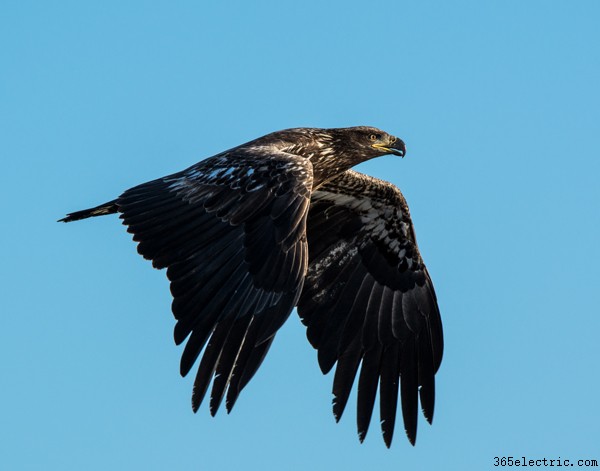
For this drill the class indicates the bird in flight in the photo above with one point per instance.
(282, 222)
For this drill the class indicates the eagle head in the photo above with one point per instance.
(370, 142)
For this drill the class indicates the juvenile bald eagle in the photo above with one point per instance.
(279, 222)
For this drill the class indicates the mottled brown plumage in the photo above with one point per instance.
(280, 222)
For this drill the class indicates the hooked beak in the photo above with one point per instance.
(396, 147)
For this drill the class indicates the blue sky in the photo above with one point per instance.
(498, 103)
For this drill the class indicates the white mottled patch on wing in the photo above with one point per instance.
(337, 256)
(179, 184)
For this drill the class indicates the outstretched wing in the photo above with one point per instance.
(368, 300)
(231, 233)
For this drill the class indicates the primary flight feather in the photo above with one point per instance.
(279, 222)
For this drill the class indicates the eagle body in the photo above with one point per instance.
(282, 222)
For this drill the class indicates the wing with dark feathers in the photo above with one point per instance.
(231, 233)
(368, 302)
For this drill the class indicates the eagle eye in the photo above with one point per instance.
(375, 137)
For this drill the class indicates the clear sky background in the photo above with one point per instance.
(499, 105)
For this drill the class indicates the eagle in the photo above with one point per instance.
(281, 222)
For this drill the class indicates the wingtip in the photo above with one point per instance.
(429, 418)
(195, 403)
(338, 409)
(387, 434)
(229, 403)
(412, 437)
(196, 400)
(186, 362)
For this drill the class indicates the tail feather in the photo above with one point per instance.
(106, 208)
